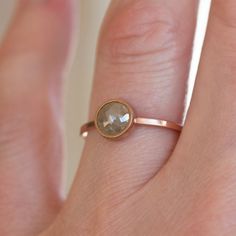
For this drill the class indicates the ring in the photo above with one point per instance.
(116, 117)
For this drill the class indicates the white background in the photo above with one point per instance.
(80, 79)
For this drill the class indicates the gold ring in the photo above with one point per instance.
(116, 117)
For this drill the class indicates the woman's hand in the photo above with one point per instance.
(147, 183)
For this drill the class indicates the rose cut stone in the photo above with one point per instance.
(113, 119)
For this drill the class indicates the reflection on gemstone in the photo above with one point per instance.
(113, 119)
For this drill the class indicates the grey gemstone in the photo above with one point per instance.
(113, 119)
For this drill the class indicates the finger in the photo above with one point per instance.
(210, 129)
(206, 150)
(32, 64)
(203, 164)
(143, 58)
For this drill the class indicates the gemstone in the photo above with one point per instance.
(114, 119)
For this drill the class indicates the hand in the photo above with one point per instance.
(152, 182)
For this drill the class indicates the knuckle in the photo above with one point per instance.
(28, 107)
(23, 76)
(137, 31)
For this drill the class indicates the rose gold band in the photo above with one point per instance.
(158, 123)
(139, 121)
(85, 128)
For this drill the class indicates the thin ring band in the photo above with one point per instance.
(85, 128)
(115, 118)
(139, 121)
(158, 123)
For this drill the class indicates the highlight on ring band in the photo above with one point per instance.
(116, 117)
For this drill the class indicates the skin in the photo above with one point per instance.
(154, 181)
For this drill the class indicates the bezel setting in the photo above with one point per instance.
(128, 126)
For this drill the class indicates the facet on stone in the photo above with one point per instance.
(113, 119)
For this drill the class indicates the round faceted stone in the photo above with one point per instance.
(113, 119)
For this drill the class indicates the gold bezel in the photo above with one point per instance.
(131, 122)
